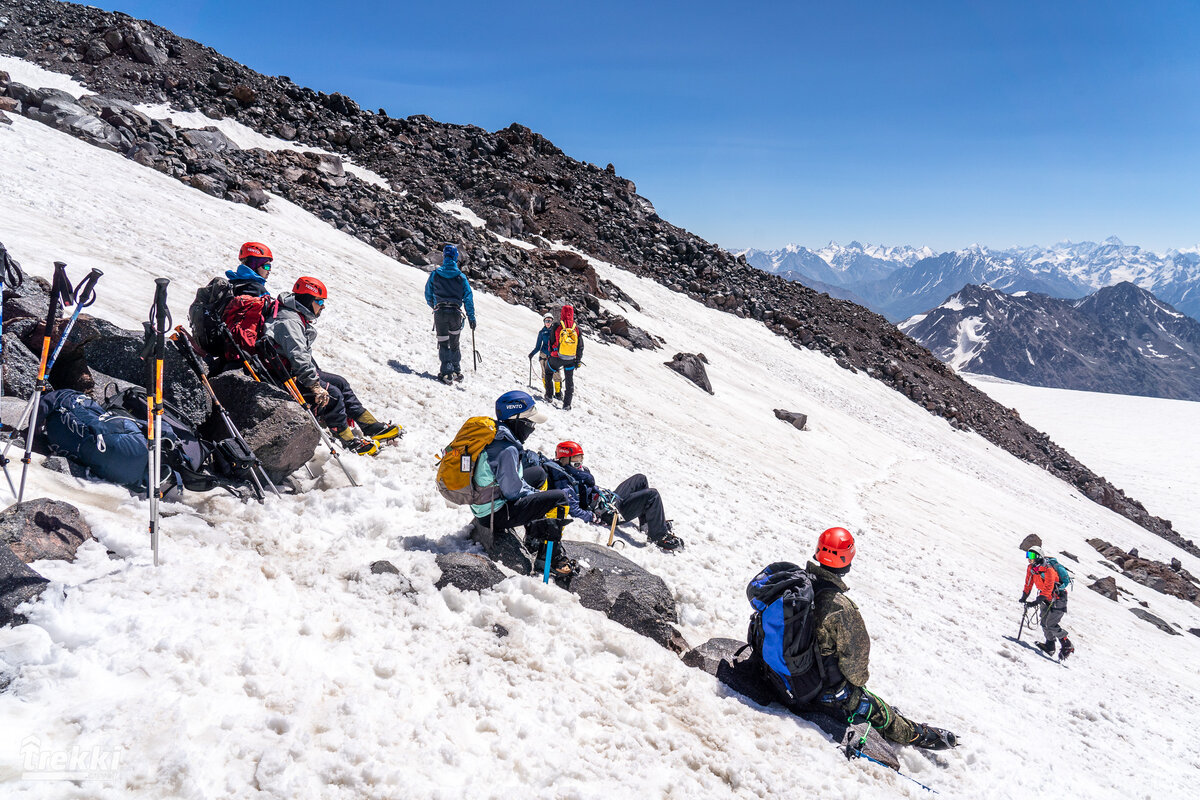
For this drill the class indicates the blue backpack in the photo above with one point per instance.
(112, 446)
(782, 631)
(1065, 579)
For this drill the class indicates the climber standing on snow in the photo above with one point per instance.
(1051, 601)
(448, 292)
(566, 355)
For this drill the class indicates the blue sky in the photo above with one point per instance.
(938, 123)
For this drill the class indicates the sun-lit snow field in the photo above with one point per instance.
(262, 659)
(1146, 445)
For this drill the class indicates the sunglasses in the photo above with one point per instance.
(321, 303)
(576, 459)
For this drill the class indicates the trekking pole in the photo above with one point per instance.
(60, 292)
(530, 367)
(185, 343)
(290, 383)
(160, 320)
(475, 354)
(1024, 616)
(11, 276)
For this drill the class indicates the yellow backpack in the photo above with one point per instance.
(568, 341)
(457, 462)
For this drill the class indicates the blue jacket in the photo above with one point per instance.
(447, 284)
(577, 482)
(501, 465)
(247, 281)
(543, 342)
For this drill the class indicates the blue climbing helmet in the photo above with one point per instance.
(518, 404)
(450, 253)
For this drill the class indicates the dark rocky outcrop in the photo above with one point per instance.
(1106, 586)
(467, 571)
(516, 180)
(1032, 540)
(1157, 622)
(740, 673)
(625, 592)
(1166, 578)
(793, 418)
(505, 547)
(275, 426)
(691, 366)
(43, 528)
(18, 584)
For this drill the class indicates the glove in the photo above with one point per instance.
(321, 397)
(471, 322)
(1024, 597)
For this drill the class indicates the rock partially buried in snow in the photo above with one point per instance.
(741, 674)
(1106, 586)
(794, 418)
(1156, 621)
(1032, 540)
(467, 571)
(43, 528)
(503, 546)
(275, 426)
(626, 593)
(691, 366)
(18, 584)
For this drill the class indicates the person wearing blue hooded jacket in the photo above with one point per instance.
(250, 278)
(448, 292)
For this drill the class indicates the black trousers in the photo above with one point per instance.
(448, 323)
(640, 502)
(525, 510)
(553, 365)
(343, 401)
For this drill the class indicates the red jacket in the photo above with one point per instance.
(1045, 578)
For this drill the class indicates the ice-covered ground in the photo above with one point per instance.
(1146, 445)
(262, 659)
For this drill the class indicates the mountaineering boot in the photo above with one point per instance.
(566, 406)
(1047, 647)
(379, 431)
(446, 378)
(363, 447)
(1066, 649)
(931, 738)
(549, 397)
(668, 541)
(458, 377)
(560, 566)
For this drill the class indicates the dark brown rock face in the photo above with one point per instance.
(18, 584)
(275, 426)
(1165, 578)
(691, 366)
(1106, 586)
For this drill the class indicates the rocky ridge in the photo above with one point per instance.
(515, 180)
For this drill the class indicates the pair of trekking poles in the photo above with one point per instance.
(62, 295)
(280, 378)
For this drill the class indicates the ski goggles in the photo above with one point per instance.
(576, 460)
(320, 302)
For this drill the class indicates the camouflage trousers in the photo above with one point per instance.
(865, 705)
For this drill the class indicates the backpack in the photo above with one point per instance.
(782, 631)
(1065, 579)
(456, 468)
(244, 317)
(111, 445)
(568, 341)
(205, 315)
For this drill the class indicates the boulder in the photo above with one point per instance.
(20, 369)
(95, 131)
(277, 429)
(794, 418)
(384, 568)
(119, 354)
(691, 366)
(741, 674)
(43, 528)
(608, 582)
(1032, 540)
(1157, 622)
(145, 49)
(1106, 586)
(326, 164)
(18, 584)
(467, 571)
(209, 140)
(30, 299)
(504, 546)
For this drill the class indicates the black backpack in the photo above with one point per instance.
(199, 464)
(206, 314)
(782, 632)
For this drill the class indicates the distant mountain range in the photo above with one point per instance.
(1120, 339)
(898, 282)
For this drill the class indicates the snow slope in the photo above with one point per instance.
(1145, 445)
(263, 660)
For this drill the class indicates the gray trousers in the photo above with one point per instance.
(1051, 616)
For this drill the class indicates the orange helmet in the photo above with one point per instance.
(310, 286)
(835, 548)
(567, 449)
(254, 249)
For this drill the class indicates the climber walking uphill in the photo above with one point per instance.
(290, 334)
(448, 292)
(566, 356)
(541, 348)
(633, 498)
(1051, 579)
(813, 647)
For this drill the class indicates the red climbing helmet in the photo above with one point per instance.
(835, 548)
(310, 286)
(567, 450)
(254, 249)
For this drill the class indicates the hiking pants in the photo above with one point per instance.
(849, 699)
(1051, 616)
(448, 323)
(639, 501)
(525, 510)
(553, 365)
(343, 402)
